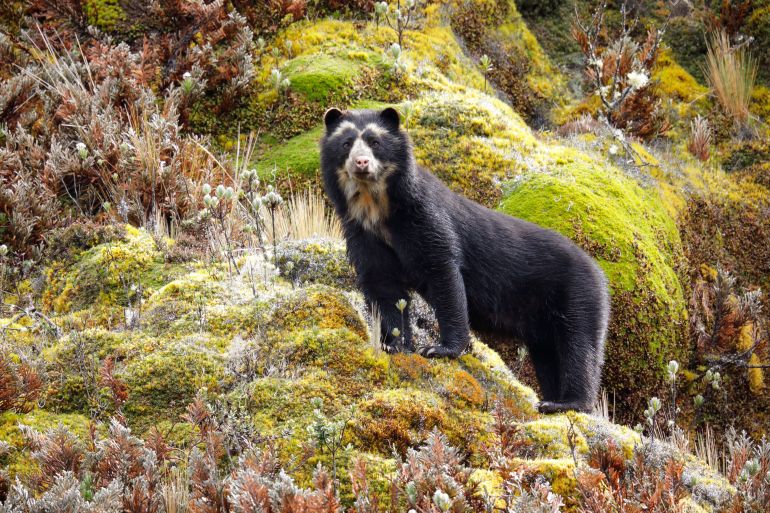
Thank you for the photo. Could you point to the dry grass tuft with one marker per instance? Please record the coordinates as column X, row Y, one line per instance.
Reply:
column 700, row 139
column 306, row 215
column 706, row 449
column 731, row 72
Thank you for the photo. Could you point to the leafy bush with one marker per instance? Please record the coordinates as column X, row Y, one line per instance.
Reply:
column 618, row 70
column 93, row 142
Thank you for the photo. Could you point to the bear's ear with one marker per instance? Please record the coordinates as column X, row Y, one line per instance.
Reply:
column 331, row 117
column 390, row 118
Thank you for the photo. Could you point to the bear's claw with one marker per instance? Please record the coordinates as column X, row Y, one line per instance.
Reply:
column 437, row 352
column 560, row 407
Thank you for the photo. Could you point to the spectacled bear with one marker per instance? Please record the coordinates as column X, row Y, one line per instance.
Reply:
column 477, row 268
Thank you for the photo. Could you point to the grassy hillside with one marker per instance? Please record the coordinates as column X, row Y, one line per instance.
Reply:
column 180, row 328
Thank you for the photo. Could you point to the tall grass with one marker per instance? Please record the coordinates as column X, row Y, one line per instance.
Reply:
column 306, row 215
column 731, row 72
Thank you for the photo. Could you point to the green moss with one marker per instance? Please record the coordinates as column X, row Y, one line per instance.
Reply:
column 402, row 417
column 104, row 14
column 760, row 103
column 110, row 274
column 470, row 141
column 278, row 402
column 320, row 307
column 320, row 76
column 162, row 383
column 316, row 261
column 675, row 82
column 299, row 155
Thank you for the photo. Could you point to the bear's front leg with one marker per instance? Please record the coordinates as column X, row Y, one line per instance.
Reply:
column 395, row 325
column 445, row 292
column 382, row 280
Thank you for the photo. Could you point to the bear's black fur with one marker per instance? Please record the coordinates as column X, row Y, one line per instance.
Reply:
column 477, row 268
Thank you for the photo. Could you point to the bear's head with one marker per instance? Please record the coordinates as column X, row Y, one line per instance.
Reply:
column 365, row 146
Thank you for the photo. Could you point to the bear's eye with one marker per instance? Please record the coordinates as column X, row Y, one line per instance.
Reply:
column 346, row 144
column 375, row 143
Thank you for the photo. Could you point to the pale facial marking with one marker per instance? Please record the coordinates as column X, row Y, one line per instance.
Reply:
column 345, row 125
column 376, row 129
column 361, row 149
column 367, row 197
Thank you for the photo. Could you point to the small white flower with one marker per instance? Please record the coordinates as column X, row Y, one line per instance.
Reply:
column 82, row 150
column 442, row 500
column 637, row 79
column 186, row 76
column 673, row 368
column 614, row 149
column 596, row 63
column 618, row 133
column 604, row 91
column 396, row 332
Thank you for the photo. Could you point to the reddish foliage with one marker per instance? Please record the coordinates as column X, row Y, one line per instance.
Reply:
column 20, row 386
column 612, row 484
column 730, row 17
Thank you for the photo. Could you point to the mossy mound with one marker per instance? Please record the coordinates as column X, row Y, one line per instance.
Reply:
column 471, row 141
column 293, row 353
column 315, row 261
column 164, row 381
column 113, row 274
column 318, row 77
column 299, row 156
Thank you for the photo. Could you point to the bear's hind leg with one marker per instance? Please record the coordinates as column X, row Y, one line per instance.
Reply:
column 579, row 375
column 546, row 363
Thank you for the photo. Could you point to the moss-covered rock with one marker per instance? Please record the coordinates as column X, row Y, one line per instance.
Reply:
column 315, row 261
column 299, row 156
column 113, row 274
column 318, row 77
column 164, row 381
column 470, row 141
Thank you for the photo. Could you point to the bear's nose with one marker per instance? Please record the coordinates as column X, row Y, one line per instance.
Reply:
column 362, row 162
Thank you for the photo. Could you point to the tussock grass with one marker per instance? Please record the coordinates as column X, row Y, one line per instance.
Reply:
column 305, row 215
column 731, row 72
